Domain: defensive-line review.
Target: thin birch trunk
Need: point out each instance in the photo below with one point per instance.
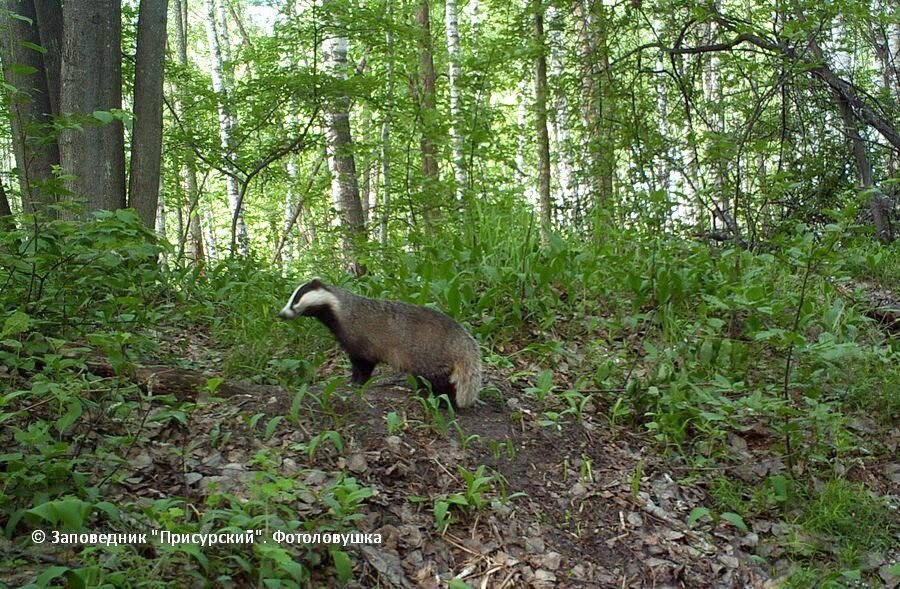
(341, 162)
(456, 119)
(540, 120)
(227, 121)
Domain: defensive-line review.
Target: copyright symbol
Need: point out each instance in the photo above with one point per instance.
(38, 536)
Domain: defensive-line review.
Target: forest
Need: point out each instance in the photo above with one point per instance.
(662, 238)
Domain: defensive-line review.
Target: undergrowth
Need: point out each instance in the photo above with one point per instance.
(691, 343)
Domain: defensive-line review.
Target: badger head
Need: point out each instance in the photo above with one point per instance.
(309, 299)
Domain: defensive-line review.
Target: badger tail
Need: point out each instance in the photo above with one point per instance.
(466, 376)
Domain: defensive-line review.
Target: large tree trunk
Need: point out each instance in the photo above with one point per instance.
(50, 28)
(344, 186)
(540, 120)
(91, 76)
(227, 121)
(31, 106)
(426, 106)
(146, 147)
(456, 118)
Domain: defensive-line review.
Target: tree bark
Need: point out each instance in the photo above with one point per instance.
(559, 122)
(227, 120)
(31, 106)
(540, 119)
(5, 209)
(341, 162)
(426, 106)
(50, 28)
(456, 118)
(146, 146)
(591, 30)
(386, 130)
(91, 81)
(193, 237)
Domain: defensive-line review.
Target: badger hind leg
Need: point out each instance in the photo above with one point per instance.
(362, 370)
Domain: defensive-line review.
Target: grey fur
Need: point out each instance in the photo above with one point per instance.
(411, 338)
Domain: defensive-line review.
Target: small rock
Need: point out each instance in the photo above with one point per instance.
(192, 477)
(543, 576)
(534, 544)
(357, 462)
(751, 540)
(552, 561)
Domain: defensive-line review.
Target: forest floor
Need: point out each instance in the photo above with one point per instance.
(576, 503)
(548, 503)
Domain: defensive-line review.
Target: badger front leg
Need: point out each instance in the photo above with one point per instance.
(362, 370)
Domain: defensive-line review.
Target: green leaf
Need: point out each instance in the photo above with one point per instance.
(18, 322)
(736, 520)
(75, 409)
(104, 116)
(696, 514)
(21, 70)
(70, 511)
(51, 573)
(273, 423)
(342, 565)
(38, 48)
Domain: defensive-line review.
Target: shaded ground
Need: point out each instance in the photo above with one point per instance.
(582, 503)
(593, 508)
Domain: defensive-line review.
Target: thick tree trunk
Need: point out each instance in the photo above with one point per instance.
(456, 118)
(341, 162)
(426, 106)
(540, 119)
(50, 28)
(91, 76)
(31, 105)
(146, 147)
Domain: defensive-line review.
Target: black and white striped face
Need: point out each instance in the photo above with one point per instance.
(307, 298)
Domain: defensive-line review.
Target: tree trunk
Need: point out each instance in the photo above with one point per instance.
(50, 28)
(227, 120)
(456, 118)
(344, 186)
(386, 130)
(193, 237)
(559, 122)
(146, 146)
(5, 210)
(881, 215)
(91, 81)
(426, 106)
(591, 30)
(31, 106)
(540, 119)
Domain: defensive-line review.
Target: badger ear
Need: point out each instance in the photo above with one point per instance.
(315, 283)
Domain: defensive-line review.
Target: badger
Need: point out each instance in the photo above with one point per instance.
(413, 339)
